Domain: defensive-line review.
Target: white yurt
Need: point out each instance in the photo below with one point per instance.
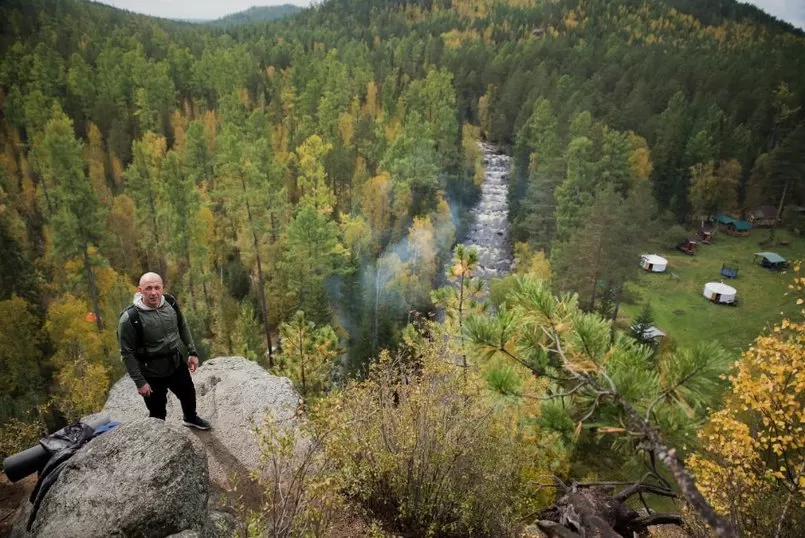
(653, 263)
(718, 292)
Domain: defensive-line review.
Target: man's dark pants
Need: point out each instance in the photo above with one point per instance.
(180, 384)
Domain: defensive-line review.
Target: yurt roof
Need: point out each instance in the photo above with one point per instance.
(654, 332)
(650, 332)
(772, 257)
(654, 259)
(720, 287)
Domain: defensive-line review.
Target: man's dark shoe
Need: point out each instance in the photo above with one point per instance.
(198, 423)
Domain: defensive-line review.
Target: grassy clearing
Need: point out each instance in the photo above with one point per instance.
(688, 318)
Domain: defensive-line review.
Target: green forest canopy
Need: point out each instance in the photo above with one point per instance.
(325, 162)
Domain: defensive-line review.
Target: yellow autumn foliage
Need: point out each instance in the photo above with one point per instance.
(473, 157)
(751, 461)
(531, 262)
(639, 159)
(82, 357)
(82, 388)
(455, 39)
(17, 434)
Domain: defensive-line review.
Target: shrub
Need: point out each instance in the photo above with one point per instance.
(17, 435)
(299, 494)
(427, 449)
(751, 459)
(673, 236)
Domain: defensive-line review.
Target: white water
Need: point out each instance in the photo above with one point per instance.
(489, 233)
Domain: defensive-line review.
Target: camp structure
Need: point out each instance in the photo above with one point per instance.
(688, 246)
(770, 260)
(704, 235)
(733, 226)
(653, 263)
(718, 292)
(653, 333)
(764, 216)
(648, 333)
(729, 271)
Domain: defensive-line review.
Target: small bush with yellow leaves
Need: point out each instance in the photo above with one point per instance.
(426, 449)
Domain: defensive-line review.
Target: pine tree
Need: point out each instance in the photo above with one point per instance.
(313, 252)
(609, 380)
(308, 353)
(182, 204)
(248, 189)
(143, 178)
(463, 295)
(78, 216)
(641, 325)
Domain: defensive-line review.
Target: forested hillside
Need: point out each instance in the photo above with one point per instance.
(257, 14)
(301, 183)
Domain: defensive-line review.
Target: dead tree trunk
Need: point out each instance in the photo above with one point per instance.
(597, 513)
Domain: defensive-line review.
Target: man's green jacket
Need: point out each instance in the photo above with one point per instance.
(162, 337)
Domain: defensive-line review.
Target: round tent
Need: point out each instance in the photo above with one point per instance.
(653, 263)
(719, 292)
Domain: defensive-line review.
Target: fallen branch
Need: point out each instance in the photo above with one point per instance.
(683, 478)
(643, 488)
(555, 529)
(594, 513)
(658, 519)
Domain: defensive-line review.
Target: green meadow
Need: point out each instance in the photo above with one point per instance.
(687, 317)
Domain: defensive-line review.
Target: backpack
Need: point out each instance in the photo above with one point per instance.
(134, 318)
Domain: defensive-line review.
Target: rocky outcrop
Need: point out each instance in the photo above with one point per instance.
(153, 478)
(142, 479)
(233, 394)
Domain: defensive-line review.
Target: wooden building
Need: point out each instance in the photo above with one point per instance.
(732, 225)
(764, 216)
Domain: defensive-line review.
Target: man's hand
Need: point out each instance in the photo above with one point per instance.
(145, 390)
(192, 363)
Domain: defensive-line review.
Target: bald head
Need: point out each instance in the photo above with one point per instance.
(147, 277)
(151, 289)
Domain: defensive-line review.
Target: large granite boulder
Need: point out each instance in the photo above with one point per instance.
(233, 394)
(142, 479)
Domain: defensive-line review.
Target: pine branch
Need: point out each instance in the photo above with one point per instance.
(667, 455)
(682, 476)
(640, 488)
(665, 394)
(602, 386)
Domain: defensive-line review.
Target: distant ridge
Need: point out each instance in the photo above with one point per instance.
(256, 14)
(715, 12)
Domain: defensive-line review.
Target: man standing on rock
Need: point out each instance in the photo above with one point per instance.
(149, 333)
